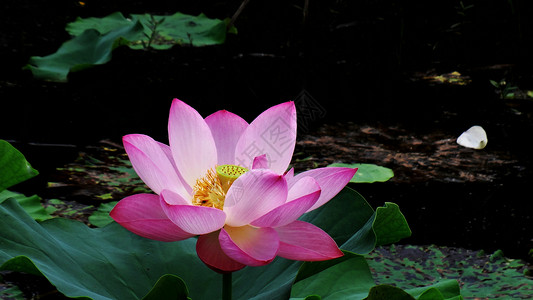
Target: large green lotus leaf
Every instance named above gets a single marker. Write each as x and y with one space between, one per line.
103 263
112 263
32 204
14 168
86 50
367 173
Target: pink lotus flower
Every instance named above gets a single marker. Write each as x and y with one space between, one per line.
224 180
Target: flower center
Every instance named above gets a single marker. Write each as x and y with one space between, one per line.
211 189
227 174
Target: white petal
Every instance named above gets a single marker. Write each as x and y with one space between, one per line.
475 138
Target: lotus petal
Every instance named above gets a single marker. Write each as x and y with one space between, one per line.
142 214
191 218
192 144
304 241
249 245
226 128
209 251
475 138
272 133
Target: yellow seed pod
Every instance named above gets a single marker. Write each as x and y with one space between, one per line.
228 174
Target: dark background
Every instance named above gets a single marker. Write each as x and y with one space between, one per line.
362 61
357 58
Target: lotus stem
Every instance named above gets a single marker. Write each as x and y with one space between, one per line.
226 286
